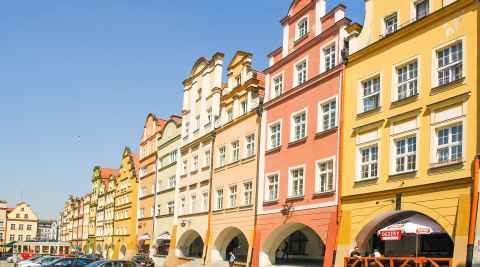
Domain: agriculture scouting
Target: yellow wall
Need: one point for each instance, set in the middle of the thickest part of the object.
(441, 193)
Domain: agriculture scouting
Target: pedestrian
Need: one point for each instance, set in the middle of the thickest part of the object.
(355, 253)
(231, 259)
(285, 252)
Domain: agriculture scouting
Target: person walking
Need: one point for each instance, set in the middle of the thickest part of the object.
(231, 259)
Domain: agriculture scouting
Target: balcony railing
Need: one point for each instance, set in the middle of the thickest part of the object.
(397, 262)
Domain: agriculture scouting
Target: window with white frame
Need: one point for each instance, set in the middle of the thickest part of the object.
(209, 117)
(229, 114)
(301, 72)
(406, 154)
(391, 23)
(171, 182)
(325, 176)
(302, 27)
(371, 94)
(195, 163)
(243, 107)
(238, 80)
(275, 135)
(219, 199)
(193, 203)
(369, 162)
(299, 126)
(328, 115)
(183, 205)
(329, 57)
(296, 182)
(247, 193)
(232, 196)
(250, 145)
(407, 80)
(277, 86)
(235, 150)
(449, 143)
(221, 156)
(421, 9)
(205, 201)
(450, 63)
(173, 156)
(206, 158)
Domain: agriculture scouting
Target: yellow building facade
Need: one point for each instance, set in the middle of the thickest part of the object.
(126, 197)
(409, 129)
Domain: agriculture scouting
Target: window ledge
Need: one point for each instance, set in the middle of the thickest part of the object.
(205, 168)
(301, 38)
(404, 173)
(447, 86)
(405, 100)
(368, 112)
(183, 175)
(322, 194)
(194, 171)
(326, 132)
(438, 165)
(358, 181)
(270, 202)
(273, 150)
(297, 142)
(295, 198)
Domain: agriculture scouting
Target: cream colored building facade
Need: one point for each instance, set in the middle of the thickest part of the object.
(21, 223)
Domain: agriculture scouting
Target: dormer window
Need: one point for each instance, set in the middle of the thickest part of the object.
(421, 9)
(302, 27)
(391, 23)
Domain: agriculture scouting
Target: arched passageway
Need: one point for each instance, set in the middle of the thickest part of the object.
(190, 245)
(229, 240)
(123, 251)
(394, 234)
(292, 244)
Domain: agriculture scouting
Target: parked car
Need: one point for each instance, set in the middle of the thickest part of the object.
(28, 261)
(13, 259)
(69, 261)
(109, 263)
(94, 257)
(41, 261)
(5, 256)
(144, 261)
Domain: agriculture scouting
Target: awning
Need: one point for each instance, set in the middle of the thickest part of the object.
(144, 237)
(165, 236)
(416, 224)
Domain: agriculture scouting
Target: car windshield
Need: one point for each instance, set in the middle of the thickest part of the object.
(95, 264)
(47, 260)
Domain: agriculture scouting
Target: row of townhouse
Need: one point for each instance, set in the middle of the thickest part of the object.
(350, 138)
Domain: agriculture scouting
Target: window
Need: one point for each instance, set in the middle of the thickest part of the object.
(159, 209)
(407, 76)
(329, 57)
(450, 144)
(277, 86)
(391, 24)
(450, 63)
(29, 227)
(142, 213)
(197, 124)
(371, 94)
(221, 156)
(238, 80)
(369, 162)
(275, 135)
(244, 107)
(184, 167)
(12, 226)
(12, 238)
(302, 28)
(173, 156)
(325, 176)
(171, 207)
(301, 72)
(143, 171)
(193, 203)
(299, 126)
(187, 126)
(20, 227)
(183, 208)
(406, 154)
(235, 151)
(229, 115)
(20, 237)
(296, 182)
(219, 201)
(209, 117)
(250, 145)
(195, 163)
(247, 193)
(206, 162)
(28, 237)
(171, 182)
(421, 9)
(205, 201)
(233, 197)
(17, 216)
(328, 115)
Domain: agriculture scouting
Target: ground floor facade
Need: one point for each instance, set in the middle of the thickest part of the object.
(445, 205)
(162, 238)
(191, 235)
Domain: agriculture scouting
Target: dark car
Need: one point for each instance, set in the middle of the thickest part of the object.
(109, 263)
(143, 261)
(4, 256)
(69, 261)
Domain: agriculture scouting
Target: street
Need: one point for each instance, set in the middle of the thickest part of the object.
(5, 264)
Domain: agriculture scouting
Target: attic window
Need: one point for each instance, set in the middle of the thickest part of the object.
(302, 27)
(391, 23)
(421, 8)
(238, 80)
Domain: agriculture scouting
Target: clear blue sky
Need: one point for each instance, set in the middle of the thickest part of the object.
(77, 79)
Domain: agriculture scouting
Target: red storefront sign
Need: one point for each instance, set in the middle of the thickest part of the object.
(390, 235)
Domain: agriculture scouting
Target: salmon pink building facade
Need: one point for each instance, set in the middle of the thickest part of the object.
(298, 197)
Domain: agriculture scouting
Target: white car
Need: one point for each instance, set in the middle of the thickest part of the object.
(26, 262)
(13, 259)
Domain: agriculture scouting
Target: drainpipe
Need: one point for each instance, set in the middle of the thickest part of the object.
(259, 111)
(473, 212)
(210, 188)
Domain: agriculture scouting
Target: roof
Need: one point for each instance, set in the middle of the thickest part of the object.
(105, 173)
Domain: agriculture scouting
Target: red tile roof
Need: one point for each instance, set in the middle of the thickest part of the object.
(105, 173)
